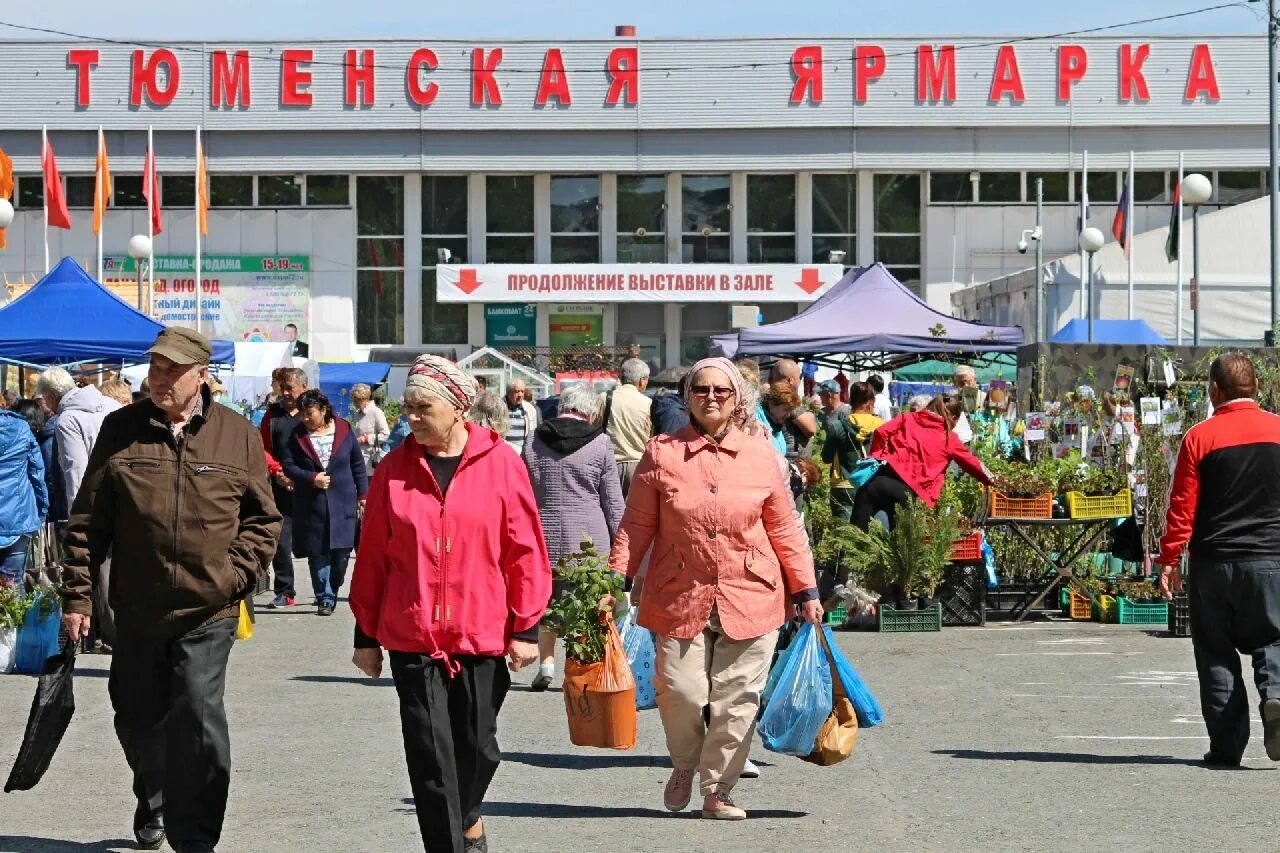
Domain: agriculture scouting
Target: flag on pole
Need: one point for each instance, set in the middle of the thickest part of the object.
(202, 188)
(6, 185)
(101, 184)
(1171, 242)
(55, 201)
(151, 190)
(1120, 223)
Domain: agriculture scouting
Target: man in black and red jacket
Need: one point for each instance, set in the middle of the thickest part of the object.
(1225, 510)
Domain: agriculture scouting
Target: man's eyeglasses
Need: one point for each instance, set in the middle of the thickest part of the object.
(712, 391)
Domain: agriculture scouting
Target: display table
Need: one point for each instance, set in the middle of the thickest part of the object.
(1090, 531)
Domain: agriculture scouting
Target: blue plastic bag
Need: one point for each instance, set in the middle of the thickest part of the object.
(863, 471)
(801, 700)
(38, 635)
(642, 656)
(989, 560)
(869, 712)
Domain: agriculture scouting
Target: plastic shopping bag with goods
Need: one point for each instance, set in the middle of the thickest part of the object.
(801, 699)
(641, 655)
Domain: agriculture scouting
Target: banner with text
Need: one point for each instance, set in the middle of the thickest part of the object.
(635, 282)
(245, 297)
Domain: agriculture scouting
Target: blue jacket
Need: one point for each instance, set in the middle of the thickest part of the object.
(24, 499)
(399, 433)
(325, 519)
(669, 414)
(58, 508)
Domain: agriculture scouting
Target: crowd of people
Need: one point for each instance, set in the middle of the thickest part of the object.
(456, 516)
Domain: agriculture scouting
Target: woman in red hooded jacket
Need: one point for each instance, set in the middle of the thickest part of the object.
(451, 576)
(916, 448)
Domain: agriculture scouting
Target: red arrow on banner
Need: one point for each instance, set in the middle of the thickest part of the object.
(467, 281)
(809, 281)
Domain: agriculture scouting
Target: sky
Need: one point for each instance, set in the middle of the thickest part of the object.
(537, 19)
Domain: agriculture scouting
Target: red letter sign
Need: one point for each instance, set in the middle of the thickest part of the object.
(360, 77)
(484, 88)
(230, 85)
(1201, 80)
(294, 81)
(145, 76)
(1007, 79)
(936, 76)
(1133, 83)
(552, 83)
(868, 65)
(83, 60)
(806, 68)
(624, 76)
(422, 95)
(1073, 62)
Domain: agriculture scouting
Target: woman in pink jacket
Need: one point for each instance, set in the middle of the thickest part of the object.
(728, 553)
(451, 577)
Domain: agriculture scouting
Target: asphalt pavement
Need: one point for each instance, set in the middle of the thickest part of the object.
(1044, 737)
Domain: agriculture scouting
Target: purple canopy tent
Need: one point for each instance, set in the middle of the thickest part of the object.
(870, 313)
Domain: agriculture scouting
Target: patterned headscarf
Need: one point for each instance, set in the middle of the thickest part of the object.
(729, 369)
(443, 378)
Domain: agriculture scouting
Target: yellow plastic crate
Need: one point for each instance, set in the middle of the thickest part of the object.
(1107, 610)
(1119, 505)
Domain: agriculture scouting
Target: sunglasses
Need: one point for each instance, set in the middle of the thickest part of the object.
(716, 391)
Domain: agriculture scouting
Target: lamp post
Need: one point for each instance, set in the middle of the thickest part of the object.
(1196, 190)
(140, 250)
(1091, 240)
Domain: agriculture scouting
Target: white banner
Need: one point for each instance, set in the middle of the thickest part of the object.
(743, 283)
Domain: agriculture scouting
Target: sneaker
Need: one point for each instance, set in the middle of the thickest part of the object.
(540, 682)
(749, 770)
(325, 609)
(148, 827)
(1214, 760)
(281, 600)
(1271, 728)
(679, 791)
(719, 806)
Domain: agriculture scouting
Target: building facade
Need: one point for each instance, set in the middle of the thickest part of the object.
(374, 163)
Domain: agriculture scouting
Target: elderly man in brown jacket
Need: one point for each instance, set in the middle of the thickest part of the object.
(177, 489)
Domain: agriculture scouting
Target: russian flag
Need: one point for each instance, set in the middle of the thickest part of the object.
(1120, 223)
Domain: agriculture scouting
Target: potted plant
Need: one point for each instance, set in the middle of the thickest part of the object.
(14, 604)
(574, 613)
(910, 559)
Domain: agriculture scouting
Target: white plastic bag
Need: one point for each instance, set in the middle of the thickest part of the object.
(8, 643)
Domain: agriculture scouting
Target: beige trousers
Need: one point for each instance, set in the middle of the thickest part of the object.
(726, 674)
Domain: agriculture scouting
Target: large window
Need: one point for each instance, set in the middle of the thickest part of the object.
(30, 192)
(1057, 186)
(642, 217)
(705, 209)
(509, 219)
(444, 226)
(771, 219)
(328, 191)
(698, 323)
(642, 325)
(177, 190)
(575, 219)
(1000, 187)
(897, 226)
(1149, 188)
(79, 190)
(1239, 187)
(835, 215)
(127, 192)
(379, 259)
(231, 190)
(950, 188)
(1103, 186)
(961, 188)
(279, 191)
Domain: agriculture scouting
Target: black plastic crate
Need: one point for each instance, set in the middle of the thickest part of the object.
(1180, 615)
(963, 594)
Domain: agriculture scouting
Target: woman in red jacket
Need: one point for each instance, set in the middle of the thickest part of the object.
(451, 576)
(916, 448)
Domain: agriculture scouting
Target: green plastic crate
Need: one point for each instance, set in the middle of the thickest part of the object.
(834, 617)
(1146, 613)
(893, 621)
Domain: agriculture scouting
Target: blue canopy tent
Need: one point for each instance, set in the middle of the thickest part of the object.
(68, 318)
(1108, 332)
(336, 380)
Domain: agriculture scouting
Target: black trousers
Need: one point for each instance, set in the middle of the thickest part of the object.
(169, 717)
(1235, 609)
(282, 562)
(450, 728)
(884, 492)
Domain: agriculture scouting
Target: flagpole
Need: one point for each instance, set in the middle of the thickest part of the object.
(44, 152)
(1084, 213)
(150, 166)
(199, 190)
(1128, 232)
(1178, 313)
(102, 190)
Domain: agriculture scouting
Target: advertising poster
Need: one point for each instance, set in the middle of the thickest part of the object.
(510, 325)
(577, 326)
(245, 297)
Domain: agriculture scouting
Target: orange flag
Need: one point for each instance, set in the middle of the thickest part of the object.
(6, 185)
(101, 185)
(202, 188)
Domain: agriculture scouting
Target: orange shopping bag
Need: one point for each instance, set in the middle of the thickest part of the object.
(600, 698)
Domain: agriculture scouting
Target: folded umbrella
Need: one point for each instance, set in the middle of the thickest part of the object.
(51, 711)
